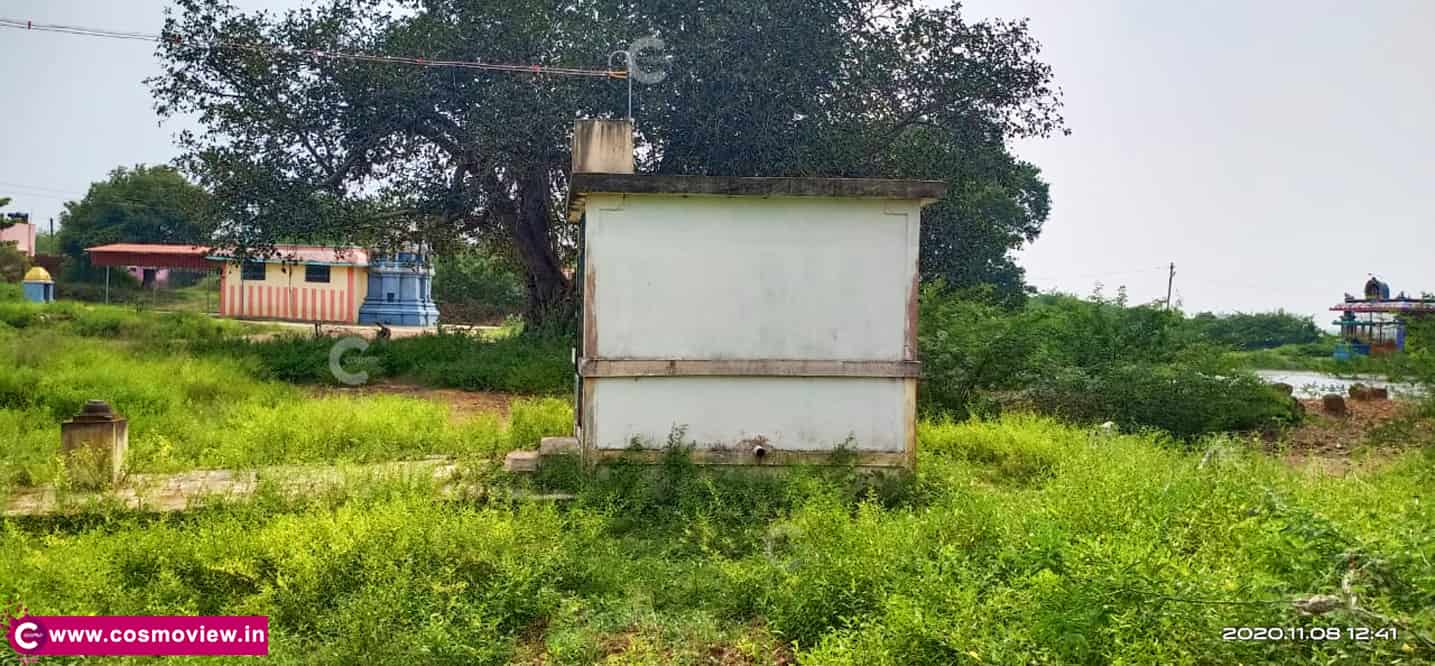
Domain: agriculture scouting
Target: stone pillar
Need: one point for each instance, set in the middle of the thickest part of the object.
(93, 444)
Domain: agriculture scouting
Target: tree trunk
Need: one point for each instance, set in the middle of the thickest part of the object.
(550, 293)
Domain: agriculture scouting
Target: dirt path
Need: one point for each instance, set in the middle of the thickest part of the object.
(1337, 444)
(462, 404)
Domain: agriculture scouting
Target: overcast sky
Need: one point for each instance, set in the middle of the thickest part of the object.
(1275, 151)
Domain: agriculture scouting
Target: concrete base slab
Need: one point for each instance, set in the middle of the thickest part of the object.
(521, 462)
(557, 446)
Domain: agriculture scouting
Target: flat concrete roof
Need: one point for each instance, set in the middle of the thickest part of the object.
(584, 184)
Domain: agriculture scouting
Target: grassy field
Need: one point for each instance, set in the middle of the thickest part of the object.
(192, 404)
(1019, 540)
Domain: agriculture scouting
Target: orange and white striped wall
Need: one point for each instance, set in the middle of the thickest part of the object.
(286, 294)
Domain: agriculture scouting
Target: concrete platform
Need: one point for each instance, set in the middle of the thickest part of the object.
(166, 493)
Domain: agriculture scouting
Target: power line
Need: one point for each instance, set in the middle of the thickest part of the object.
(99, 199)
(318, 54)
(37, 188)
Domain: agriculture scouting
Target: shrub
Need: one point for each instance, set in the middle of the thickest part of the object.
(1084, 361)
(13, 263)
(474, 287)
(528, 364)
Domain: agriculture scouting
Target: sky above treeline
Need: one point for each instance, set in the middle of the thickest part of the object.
(1276, 152)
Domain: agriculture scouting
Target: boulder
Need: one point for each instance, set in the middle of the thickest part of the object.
(1284, 388)
(1333, 404)
(1380, 393)
(1359, 392)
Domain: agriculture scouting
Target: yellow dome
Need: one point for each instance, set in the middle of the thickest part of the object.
(38, 274)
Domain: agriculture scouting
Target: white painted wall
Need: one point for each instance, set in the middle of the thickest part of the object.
(793, 413)
(751, 278)
(724, 278)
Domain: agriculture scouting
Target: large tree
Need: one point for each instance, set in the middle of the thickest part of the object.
(297, 145)
(5, 220)
(140, 204)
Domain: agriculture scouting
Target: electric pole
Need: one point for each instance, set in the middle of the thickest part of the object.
(1170, 279)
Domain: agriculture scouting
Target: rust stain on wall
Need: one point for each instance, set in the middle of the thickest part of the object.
(590, 317)
(909, 421)
(909, 346)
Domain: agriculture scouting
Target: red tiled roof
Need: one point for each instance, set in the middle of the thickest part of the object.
(162, 255)
(150, 248)
(156, 255)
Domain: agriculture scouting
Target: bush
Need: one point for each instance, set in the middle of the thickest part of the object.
(1182, 399)
(530, 364)
(1084, 361)
(13, 263)
(473, 287)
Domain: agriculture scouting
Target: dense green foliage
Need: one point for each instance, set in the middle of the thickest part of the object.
(1020, 541)
(475, 287)
(1263, 330)
(295, 146)
(514, 363)
(140, 204)
(13, 263)
(1086, 361)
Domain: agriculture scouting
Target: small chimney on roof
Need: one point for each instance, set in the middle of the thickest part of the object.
(603, 146)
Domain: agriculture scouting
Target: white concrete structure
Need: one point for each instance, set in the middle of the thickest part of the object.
(774, 319)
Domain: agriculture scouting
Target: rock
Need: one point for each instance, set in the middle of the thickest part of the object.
(1380, 393)
(1333, 404)
(558, 446)
(1318, 604)
(1359, 392)
(1284, 388)
(521, 462)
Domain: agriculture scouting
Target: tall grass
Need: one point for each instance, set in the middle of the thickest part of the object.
(190, 410)
(1019, 541)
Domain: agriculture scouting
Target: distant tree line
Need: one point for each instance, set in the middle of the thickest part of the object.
(1249, 331)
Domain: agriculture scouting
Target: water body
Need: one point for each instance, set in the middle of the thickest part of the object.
(1310, 384)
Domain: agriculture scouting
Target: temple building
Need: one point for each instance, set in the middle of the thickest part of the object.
(1376, 322)
(305, 283)
(400, 290)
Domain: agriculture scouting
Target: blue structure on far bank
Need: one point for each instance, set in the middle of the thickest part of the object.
(38, 286)
(400, 290)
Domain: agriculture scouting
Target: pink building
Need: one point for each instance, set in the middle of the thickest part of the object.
(22, 235)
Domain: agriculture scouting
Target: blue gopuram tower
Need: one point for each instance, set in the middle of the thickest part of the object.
(400, 290)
